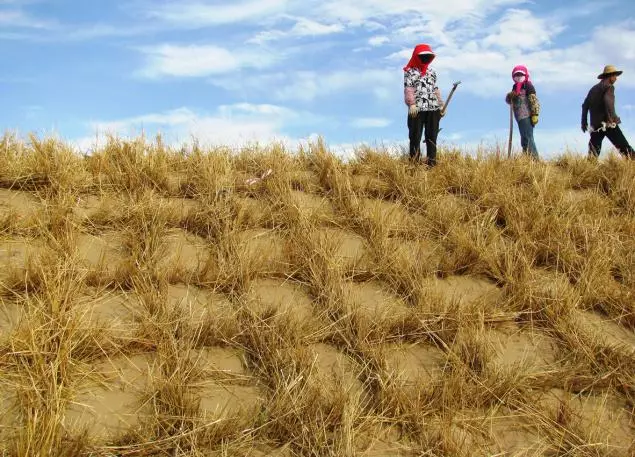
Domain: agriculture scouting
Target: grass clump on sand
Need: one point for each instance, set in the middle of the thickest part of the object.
(155, 302)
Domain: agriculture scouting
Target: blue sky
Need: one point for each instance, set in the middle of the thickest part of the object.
(290, 69)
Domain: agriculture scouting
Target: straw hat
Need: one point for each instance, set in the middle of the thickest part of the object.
(609, 70)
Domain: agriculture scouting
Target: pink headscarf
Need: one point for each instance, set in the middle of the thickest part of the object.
(520, 69)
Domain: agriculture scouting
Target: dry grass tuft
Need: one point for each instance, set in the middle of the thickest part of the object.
(156, 301)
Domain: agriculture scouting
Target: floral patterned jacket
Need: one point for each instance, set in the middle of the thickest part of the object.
(422, 90)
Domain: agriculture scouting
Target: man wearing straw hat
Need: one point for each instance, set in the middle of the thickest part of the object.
(600, 102)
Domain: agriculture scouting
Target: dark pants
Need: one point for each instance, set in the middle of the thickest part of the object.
(616, 137)
(428, 121)
(527, 137)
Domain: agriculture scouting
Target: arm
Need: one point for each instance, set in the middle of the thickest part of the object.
(534, 104)
(585, 113)
(609, 103)
(409, 90)
(409, 95)
(508, 97)
(437, 91)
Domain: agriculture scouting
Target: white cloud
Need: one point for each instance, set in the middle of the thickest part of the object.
(468, 48)
(242, 109)
(191, 60)
(520, 29)
(303, 27)
(356, 12)
(96, 31)
(198, 60)
(343, 80)
(578, 65)
(307, 86)
(171, 118)
(231, 125)
(378, 40)
(199, 14)
(20, 19)
(179, 126)
(370, 122)
(486, 68)
(303, 86)
(319, 17)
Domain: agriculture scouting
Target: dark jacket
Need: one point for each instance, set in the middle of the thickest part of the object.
(600, 102)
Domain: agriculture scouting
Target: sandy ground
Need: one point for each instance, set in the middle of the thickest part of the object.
(113, 399)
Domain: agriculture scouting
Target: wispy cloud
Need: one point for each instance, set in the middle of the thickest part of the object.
(306, 86)
(356, 12)
(198, 60)
(15, 18)
(200, 14)
(378, 40)
(19, 2)
(102, 30)
(303, 27)
(18, 23)
(485, 64)
(230, 125)
(370, 122)
(181, 125)
(520, 29)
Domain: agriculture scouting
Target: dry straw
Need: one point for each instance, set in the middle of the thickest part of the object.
(156, 301)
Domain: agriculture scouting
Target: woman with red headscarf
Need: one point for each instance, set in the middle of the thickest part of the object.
(526, 108)
(423, 97)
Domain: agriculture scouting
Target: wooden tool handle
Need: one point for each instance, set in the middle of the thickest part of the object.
(511, 130)
(447, 101)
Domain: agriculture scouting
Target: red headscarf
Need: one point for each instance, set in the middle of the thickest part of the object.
(520, 69)
(415, 62)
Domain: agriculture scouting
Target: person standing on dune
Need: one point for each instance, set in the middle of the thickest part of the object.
(600, 102)
(524, 103)
(423, 98)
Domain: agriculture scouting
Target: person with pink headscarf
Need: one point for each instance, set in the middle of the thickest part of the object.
(526, 108)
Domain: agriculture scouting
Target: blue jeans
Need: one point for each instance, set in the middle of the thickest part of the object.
(527, 137)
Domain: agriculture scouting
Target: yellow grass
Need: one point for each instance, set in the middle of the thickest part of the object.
(152, 302)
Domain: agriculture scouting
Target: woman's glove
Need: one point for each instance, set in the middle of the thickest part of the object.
(534, 120)
(413, 110)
